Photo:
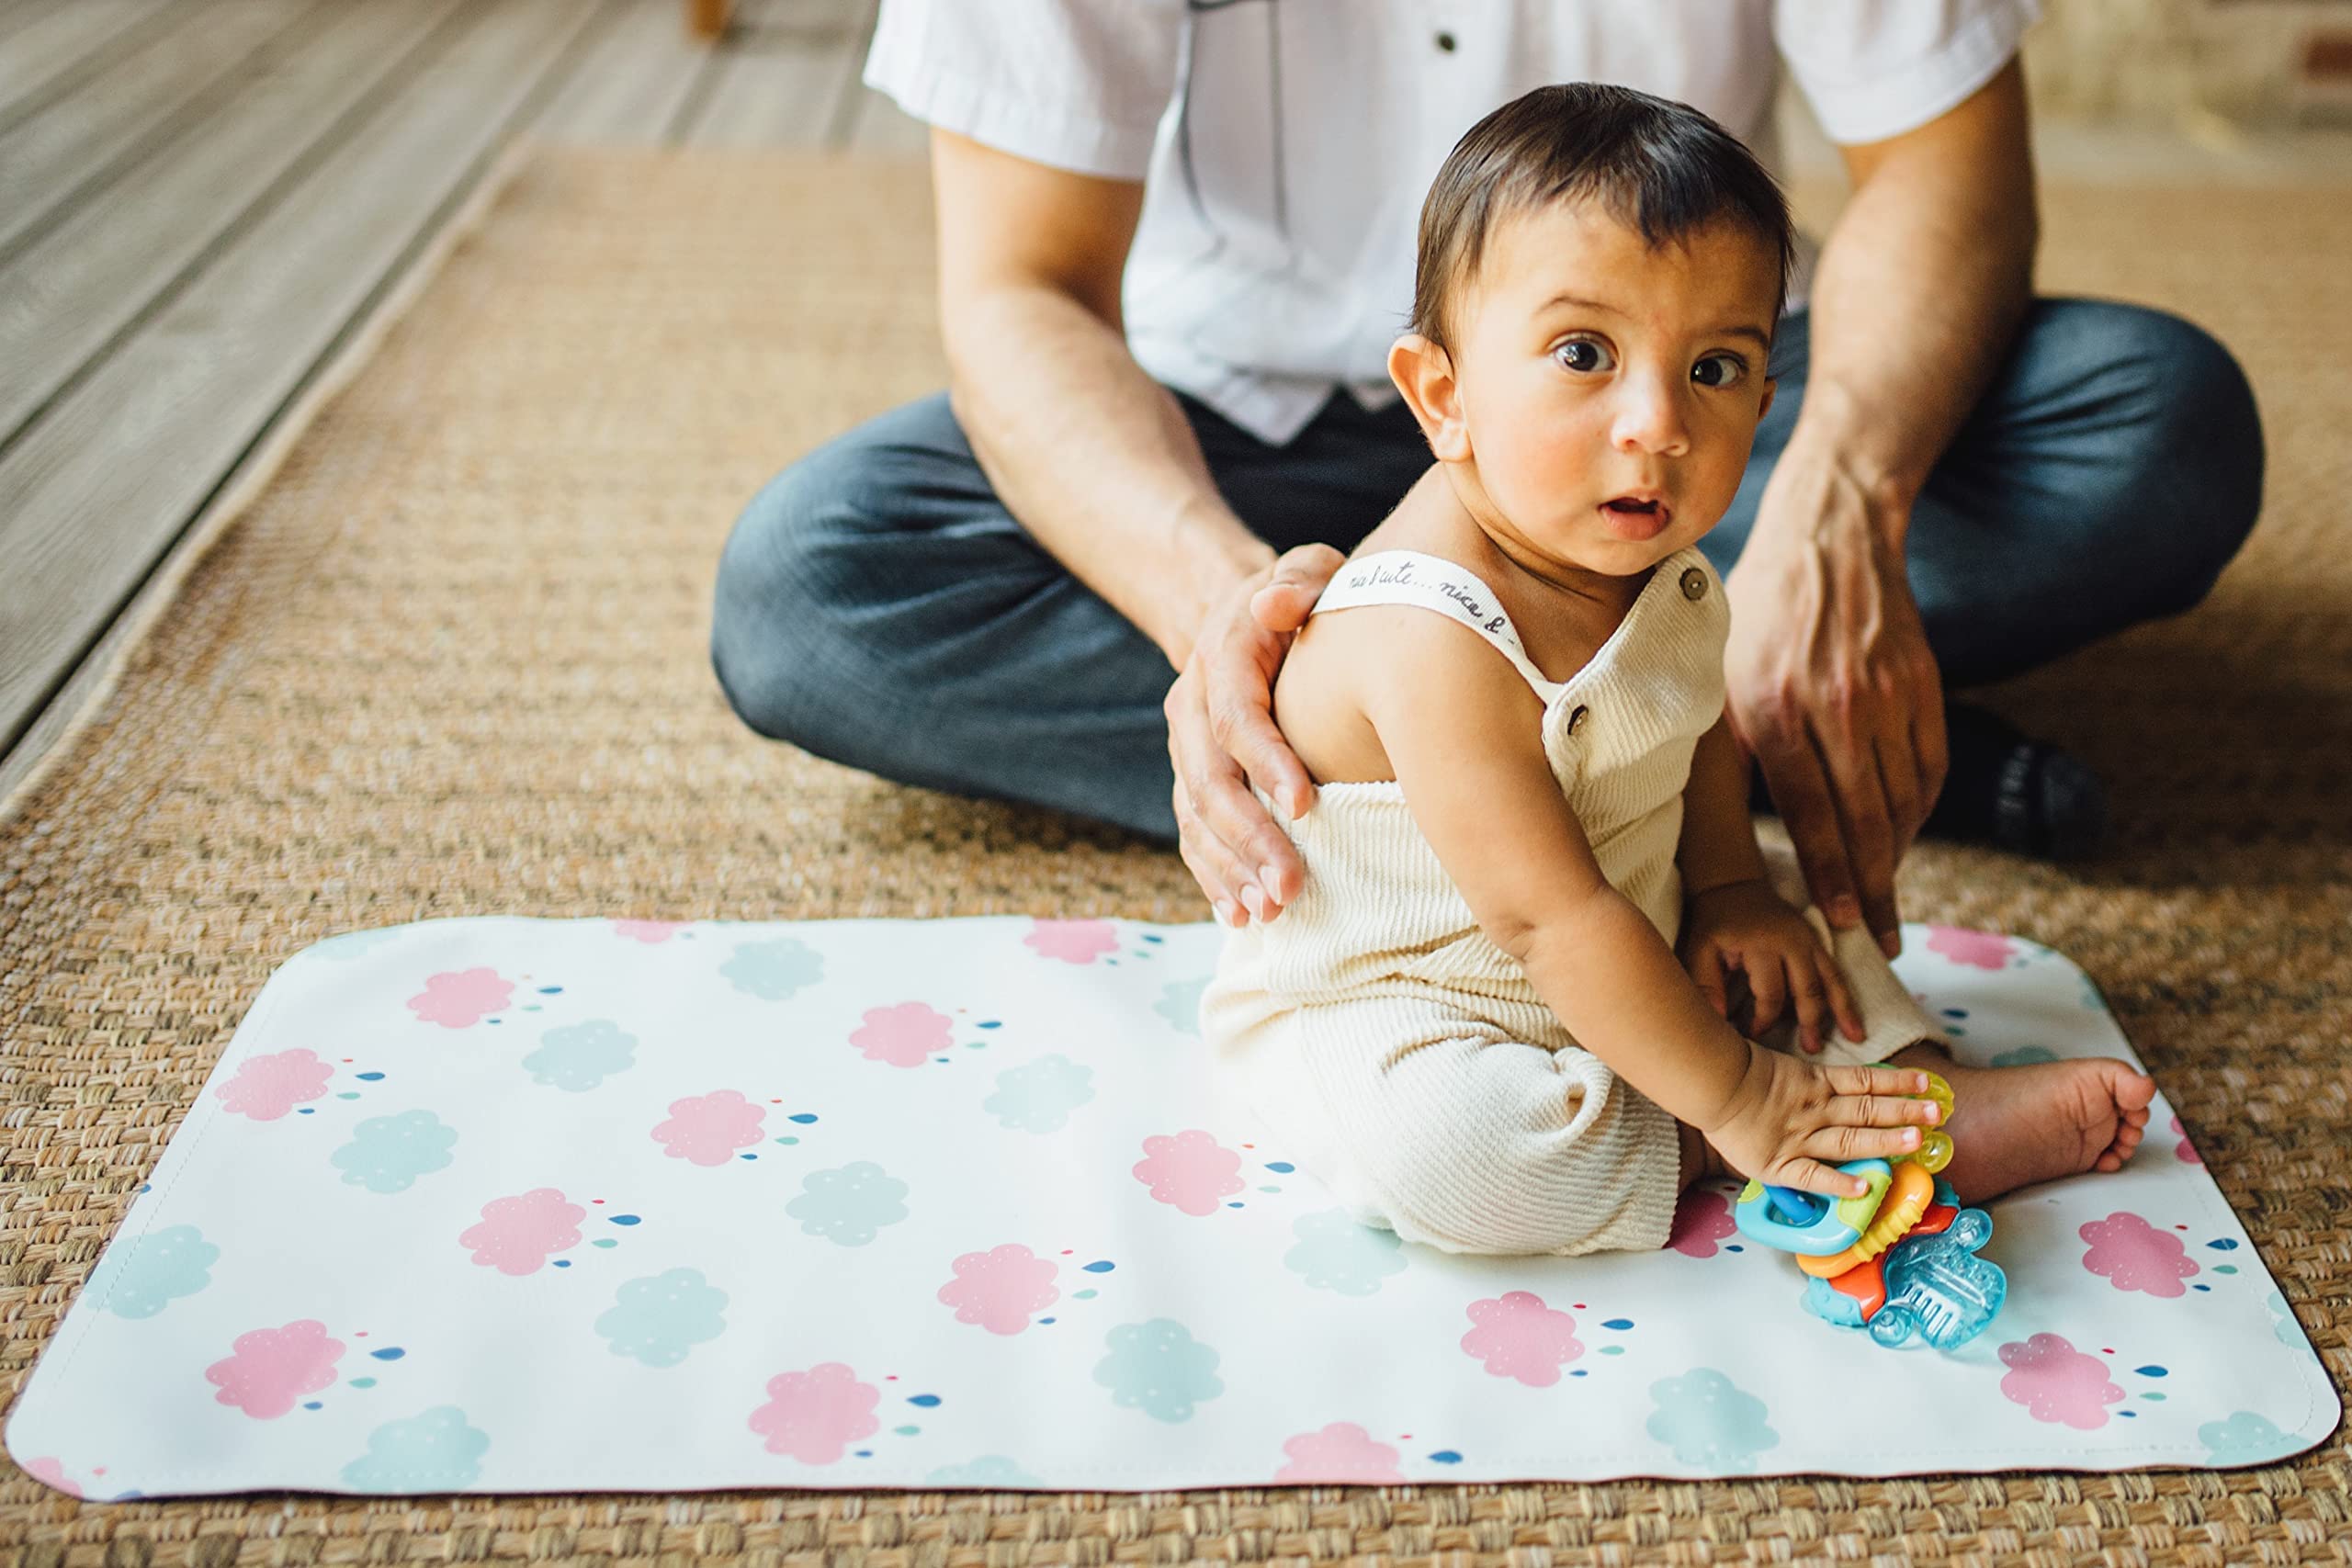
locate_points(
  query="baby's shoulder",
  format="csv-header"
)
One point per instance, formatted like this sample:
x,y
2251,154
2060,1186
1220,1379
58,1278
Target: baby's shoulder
x,y
1351,670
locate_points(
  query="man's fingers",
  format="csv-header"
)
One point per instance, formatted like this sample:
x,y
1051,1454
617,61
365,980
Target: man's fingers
x,y
1210,866
1801,792
1299,578
1869,832
1237,686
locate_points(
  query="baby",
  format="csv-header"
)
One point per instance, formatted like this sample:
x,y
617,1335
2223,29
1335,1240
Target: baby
x,y
1473,1024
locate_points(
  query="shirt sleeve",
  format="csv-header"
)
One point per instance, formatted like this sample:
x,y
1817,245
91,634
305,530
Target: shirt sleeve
x,y
1872,69
1076,84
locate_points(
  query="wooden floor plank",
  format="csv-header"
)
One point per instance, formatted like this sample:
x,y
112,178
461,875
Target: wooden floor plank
x,y
121,112
64,297
787,69
632,88
197,387
56,44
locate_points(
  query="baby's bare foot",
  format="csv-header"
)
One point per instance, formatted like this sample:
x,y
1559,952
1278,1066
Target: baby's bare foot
x,y
2015,1126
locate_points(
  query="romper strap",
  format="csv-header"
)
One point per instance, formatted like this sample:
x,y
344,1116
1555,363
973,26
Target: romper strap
x,y
1432,582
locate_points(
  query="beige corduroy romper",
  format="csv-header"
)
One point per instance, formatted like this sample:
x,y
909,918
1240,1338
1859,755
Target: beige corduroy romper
x,y
1400,1055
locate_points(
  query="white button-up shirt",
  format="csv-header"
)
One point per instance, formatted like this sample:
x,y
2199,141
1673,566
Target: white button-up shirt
x,y
1287,145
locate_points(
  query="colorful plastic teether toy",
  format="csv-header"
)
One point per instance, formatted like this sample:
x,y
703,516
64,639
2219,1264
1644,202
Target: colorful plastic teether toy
x,y
1900,1259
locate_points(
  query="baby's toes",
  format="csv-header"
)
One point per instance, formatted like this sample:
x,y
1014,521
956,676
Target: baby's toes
x,y
2132,1089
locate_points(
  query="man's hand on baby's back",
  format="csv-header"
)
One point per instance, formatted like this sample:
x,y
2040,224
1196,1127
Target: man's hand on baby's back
x,y
1222,739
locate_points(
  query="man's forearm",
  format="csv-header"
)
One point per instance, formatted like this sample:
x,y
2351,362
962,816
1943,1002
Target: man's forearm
x,y
1919,295
1097,461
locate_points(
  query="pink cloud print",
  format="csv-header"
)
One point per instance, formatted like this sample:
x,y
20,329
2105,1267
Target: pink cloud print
x,y
650,933
1190,1171
1341,1452
462,998
1073,942
518,1235
271,1368
2132,1254
906,1035
816,1415
998,1290
266,1088
2056,1382
1517,1336
708,1129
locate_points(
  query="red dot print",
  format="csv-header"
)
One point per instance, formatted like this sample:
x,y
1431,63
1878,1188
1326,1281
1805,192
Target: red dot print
x,y
360,1335
2107,1349
2180,1227
347,1059
1578,1306
892,1377
1248,1146
1064,1252
595,1199
775,1102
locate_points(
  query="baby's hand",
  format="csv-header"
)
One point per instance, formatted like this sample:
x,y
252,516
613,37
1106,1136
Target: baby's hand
x,y
1790,1120
1747,927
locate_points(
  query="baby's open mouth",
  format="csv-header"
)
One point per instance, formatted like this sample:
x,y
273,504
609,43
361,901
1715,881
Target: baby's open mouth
x,y
1628,503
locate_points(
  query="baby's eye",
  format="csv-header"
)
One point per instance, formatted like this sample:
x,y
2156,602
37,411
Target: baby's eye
x,y
1582,355
1720,370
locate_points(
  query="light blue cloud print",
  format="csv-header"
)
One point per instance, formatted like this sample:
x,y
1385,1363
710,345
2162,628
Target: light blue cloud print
x,y
2247,1438
2017,1057
139,1277
1039,1097
989,1470
1180,1004
387,1154
660,1317
433,1452
2283,1326
774,970
1708,1421
1159,1367
353,945
1334,1253
850,1205
579,1056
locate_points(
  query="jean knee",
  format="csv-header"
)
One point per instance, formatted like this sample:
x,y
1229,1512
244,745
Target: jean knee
x,y
2202,457
777,599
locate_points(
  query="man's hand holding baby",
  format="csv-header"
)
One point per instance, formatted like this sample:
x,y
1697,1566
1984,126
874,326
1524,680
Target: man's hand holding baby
x,y
1746,931
1790,1122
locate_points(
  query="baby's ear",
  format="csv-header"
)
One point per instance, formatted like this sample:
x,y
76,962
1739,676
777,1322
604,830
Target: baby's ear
x,y
1423,372
1771,386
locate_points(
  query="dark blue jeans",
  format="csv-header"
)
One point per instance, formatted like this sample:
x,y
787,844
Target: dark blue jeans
x,y
878,607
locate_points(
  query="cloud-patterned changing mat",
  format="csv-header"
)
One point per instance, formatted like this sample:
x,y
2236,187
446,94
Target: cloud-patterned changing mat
x,y
515,1205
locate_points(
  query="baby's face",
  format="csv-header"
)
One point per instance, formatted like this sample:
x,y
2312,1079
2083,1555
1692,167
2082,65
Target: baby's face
x,y
1611,391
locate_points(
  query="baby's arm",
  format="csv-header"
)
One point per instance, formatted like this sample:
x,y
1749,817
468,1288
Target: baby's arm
x,y
1462,733
1733,919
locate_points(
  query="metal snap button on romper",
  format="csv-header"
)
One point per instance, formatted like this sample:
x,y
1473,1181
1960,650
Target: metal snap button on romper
x,y
1577,718
1694,584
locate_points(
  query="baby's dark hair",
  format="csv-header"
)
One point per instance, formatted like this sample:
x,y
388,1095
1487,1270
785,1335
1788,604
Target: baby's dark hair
x,y
1661,167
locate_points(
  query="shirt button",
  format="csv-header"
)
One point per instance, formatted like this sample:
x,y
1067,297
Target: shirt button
x,y
1694,585
1577,718
1445,43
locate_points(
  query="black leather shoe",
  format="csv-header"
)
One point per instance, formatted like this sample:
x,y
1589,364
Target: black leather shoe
x,y
2007,789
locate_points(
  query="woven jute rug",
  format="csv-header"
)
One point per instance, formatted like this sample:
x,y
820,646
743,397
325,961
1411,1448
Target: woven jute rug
x,y
446,656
